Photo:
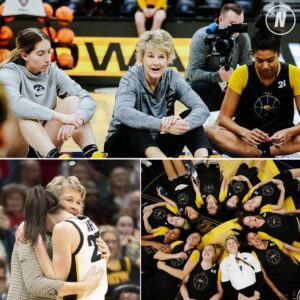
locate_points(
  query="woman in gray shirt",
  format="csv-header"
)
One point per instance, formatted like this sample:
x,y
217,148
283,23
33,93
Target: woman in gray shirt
x,y
33,84
144,123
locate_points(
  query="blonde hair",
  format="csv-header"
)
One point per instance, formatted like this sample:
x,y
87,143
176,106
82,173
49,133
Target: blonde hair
x,y
157,39
25,43
59,183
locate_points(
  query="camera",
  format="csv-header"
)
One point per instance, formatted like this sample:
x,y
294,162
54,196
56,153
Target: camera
x,y
223,40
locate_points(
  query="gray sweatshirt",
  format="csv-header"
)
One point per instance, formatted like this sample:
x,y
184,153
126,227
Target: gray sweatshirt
x,y
137,107
35,96
202,67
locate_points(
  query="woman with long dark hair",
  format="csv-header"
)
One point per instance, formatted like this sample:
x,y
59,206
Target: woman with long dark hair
x,y
42,212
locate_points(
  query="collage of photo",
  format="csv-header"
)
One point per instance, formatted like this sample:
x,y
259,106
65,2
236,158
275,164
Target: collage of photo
x,y
149,150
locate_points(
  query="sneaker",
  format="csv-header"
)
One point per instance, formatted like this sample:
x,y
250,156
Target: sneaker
x,y
64,156
99,154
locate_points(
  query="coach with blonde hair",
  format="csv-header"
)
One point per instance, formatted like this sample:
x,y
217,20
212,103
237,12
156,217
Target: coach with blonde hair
x,y
144,123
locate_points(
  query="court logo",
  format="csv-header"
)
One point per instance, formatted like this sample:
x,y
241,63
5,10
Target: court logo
x,y
280,19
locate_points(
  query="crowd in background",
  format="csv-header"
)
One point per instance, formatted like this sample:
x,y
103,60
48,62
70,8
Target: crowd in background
x,y
128,7
112,202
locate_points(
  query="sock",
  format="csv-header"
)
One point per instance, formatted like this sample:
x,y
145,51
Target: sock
x,y
32,153
265,148
89,150
54,153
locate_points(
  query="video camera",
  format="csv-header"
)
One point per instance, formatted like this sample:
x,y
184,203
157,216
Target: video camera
x,y
222,41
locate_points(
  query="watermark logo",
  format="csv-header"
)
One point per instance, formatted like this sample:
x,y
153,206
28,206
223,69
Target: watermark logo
x,y
280,19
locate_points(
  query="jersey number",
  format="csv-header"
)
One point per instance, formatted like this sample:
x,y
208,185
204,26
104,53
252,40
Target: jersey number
x,y
92,242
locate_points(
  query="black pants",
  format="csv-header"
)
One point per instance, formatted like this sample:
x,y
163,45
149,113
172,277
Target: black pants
x,y
129,142
210,93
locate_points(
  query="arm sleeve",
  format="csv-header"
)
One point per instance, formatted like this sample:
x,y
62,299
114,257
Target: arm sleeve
x,y
197,60
68,87
21,106
124,109
199,111
294,75
224,272
35,282
239,79
245,49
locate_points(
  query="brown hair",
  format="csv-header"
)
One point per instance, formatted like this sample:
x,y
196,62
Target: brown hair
x,y
25,43
231,6
14,188
39,203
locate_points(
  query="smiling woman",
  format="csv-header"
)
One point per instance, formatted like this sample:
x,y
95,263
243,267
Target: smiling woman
x,y
33,84
144,123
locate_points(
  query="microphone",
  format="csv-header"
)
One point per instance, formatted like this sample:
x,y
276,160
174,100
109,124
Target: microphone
x,y
211,28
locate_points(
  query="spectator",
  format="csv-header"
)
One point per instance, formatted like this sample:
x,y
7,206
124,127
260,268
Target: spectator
x,y
3,280
150,9
120,270
14,196
30,173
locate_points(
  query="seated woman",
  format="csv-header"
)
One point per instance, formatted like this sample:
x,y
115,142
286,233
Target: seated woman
x,y
144,121
251,122
271,194
203,283
33,84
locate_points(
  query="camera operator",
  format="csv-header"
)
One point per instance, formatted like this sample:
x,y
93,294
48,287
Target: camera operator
x,y
204,73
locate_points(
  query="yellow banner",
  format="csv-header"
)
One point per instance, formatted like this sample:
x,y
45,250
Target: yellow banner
x,y
112,56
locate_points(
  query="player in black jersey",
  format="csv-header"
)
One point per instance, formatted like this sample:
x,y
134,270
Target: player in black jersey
x,y
203,283
256,117
280,268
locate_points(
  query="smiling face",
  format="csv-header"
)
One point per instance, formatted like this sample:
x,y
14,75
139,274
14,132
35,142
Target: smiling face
x,y
194,239
251,221
71,201
212,206
155,62
232,246
208,253
249,206
253,239
191,213
38,60
232,201
176,221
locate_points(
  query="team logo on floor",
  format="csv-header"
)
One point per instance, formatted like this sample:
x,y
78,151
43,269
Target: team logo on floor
x,y
266,106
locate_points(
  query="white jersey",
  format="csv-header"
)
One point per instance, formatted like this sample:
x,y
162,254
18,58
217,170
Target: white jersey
x,y
86,256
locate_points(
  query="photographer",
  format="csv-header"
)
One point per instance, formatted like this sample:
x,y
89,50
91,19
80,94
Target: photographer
x,y
204,72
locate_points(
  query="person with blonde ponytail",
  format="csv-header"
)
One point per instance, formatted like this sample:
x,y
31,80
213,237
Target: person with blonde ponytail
x,y
33,84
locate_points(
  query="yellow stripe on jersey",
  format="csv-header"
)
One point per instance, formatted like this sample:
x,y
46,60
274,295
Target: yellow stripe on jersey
x,y
294,75
195,256
239,79
161,230
174,244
